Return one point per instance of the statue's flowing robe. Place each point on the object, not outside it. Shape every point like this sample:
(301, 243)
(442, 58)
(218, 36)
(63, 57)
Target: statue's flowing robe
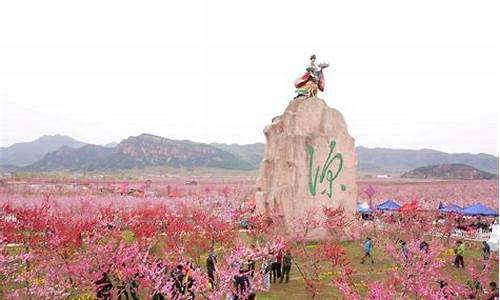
(301, 81)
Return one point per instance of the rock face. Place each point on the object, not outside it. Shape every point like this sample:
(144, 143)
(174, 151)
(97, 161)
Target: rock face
(309, 163)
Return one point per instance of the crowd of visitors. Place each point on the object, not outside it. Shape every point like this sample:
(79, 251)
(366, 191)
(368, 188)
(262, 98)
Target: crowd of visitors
(275, 268)
(476, 290)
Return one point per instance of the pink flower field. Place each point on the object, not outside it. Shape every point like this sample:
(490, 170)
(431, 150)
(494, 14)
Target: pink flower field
(97, 239)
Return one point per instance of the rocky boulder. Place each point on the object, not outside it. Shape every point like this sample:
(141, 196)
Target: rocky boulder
(309, 163)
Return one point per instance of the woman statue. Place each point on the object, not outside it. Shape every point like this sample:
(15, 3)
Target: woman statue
(308, 85)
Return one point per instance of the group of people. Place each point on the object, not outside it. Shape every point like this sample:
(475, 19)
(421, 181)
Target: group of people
(459, 251)
(178, 281)
(466, 224)
(405, 250)
(277, 267)
(274, 268)
(477, 291)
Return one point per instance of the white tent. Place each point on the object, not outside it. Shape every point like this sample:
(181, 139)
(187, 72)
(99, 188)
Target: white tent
(363, 207)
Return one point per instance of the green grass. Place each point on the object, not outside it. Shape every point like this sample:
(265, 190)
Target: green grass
(295, 289)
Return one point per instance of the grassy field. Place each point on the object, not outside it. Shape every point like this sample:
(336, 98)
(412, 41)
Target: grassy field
(295, 289)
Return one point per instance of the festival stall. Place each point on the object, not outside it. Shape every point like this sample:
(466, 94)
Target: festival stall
(450, 208)
(479, 210)
(388, 205)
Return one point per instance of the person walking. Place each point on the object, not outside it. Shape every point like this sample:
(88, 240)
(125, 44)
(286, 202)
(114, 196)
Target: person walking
(367, 247)
(211, 262)
(241, 285)
(251, 263)
(459, 252)
(405, 250)
(274, 267)
(279, 263)
(266, 273)
(287, 265)
(486, 250)
(424, 247)
(177, 278)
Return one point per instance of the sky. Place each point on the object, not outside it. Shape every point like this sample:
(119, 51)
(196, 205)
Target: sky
(405, 74)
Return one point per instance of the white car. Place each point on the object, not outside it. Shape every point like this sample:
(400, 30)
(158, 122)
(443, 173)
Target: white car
(493, 241)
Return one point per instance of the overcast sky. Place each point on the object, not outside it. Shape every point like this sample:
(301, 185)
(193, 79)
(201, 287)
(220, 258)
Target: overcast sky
(405, 74)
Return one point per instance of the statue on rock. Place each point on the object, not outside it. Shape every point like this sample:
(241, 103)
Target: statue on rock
(308, 84)
(309, 163)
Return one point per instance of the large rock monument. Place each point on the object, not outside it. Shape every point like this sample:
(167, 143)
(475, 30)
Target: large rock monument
(309, 163)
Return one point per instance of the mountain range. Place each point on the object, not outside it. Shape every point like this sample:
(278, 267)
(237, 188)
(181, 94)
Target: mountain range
(62, 153)
(140, 151)
(387, 160)
(23, 154)
(449, 171)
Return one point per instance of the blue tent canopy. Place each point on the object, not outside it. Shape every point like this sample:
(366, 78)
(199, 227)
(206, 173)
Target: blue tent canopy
(388, 205)
(451, 208)
(479, 209)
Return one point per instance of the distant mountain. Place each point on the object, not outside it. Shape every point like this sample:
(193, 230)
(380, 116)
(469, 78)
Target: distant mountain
(386, 160)
(140, 151)
(449, 171)
(88, 157)
(23, 154)
(64, 153)
(8, 168)
(251, 153)
(111, 145)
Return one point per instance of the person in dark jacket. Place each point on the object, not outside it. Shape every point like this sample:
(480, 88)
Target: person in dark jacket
(211, 262)
(486, 250)
(178, 287)
(424, 247)
(287, 265)
(251, 264)
(242, 285)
